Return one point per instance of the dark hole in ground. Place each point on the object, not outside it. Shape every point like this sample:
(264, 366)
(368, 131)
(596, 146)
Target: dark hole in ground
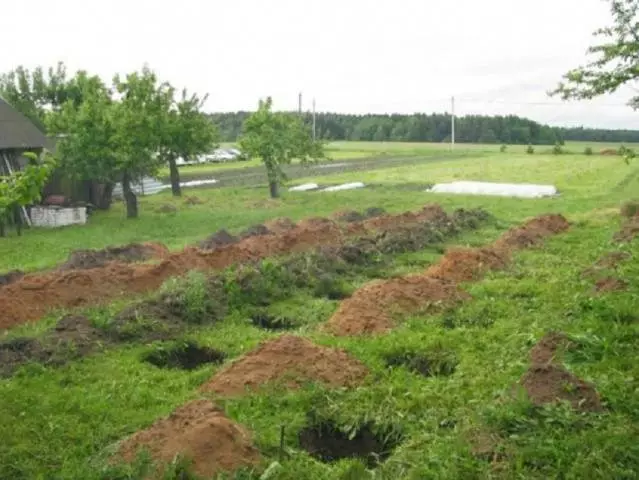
(271, 322)
(187, 356)
(439, 363)
(326, 442)
(10, 277)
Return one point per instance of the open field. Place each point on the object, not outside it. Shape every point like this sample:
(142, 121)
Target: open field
(445, 366)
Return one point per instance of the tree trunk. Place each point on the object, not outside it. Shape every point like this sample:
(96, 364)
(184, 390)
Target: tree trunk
(273, 188)
(175, 178)
(17, 218)
(2, 232)
(103, 196)
(130, 198)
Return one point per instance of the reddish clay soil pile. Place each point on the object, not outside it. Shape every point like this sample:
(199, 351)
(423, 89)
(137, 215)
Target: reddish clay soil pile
(547, 384)
(349, 216)
(369, 310)
(547, 349)
(34, 295)
(289, 359)
(465, 264)
(610, 284)
(199, 431)
(134, 252)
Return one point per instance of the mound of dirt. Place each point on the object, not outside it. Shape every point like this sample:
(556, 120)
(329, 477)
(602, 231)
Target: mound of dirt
(369, 310)
(466, 264)
(547, 384)
(133, 252)
(629, 231)
(280, 225)
(610, 284)
(254, 231)
(532, 232)
(349, 216)
(316, 223)
(218, 239)
(608, 151)
(10, 277)
(612, 259)
(546, 349)
(374, 212)
(290, 359)
(199, 431)
(73, 337)
(36, 294)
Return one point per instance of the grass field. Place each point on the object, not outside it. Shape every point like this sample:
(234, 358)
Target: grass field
(465, 420)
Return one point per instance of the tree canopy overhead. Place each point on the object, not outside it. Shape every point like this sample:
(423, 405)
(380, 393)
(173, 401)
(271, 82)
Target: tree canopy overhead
(615, 58)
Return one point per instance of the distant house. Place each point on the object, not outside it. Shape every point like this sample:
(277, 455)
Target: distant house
(17, 135)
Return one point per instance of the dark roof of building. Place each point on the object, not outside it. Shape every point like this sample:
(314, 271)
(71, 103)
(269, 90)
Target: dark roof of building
(17, 131)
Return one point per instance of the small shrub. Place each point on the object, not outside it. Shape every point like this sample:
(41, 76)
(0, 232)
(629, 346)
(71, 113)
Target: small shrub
(530, 150)
(557, 149)
(503, 148)
(588, 151)
(197, 298)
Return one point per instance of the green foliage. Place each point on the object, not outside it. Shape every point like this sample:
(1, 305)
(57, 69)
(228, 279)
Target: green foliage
(503, 148)
(530, 150)
(616, 58)
(630, 208)
(36, 94)
(24, 187)
(588, 151)
(188, 133)
(277, 138)
(197, 299)
(557, 149)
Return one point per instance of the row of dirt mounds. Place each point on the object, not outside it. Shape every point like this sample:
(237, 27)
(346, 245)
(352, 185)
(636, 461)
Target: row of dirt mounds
(547, 381)
(32, 296)
(369, 310)
(199, 431)
(290, 359)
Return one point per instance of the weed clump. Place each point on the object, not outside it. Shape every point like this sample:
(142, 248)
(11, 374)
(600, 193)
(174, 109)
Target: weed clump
(433, 363)
(270, 322)
(630, 209)
(195, 298)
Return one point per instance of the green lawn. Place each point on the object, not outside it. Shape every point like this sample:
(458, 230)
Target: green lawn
(62, 423)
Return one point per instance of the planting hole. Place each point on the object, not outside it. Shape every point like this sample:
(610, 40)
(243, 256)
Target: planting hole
(434, 364)
(270, 322)
(326, 442)
(187, 356)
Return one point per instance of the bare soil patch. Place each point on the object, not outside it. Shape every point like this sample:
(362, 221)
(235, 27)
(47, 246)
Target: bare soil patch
(199, 431)
(134, 252)
(218, 239)
(462, 265)
(280, 225)
(547, 384)
(629, 230)
(610, 284)
(326, 442)
(289, 359)
(10, 277)
(349, 216)
(549, 347)
(254, 231)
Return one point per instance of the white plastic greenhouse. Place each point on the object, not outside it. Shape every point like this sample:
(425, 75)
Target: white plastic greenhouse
(523, 190)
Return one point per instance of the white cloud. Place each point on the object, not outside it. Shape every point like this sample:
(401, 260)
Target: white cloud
(352, 55)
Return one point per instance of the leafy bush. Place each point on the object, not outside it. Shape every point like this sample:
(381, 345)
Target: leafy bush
(588, 151)
(557, 149)
(530, 150)
(503, 148)
(199, 299)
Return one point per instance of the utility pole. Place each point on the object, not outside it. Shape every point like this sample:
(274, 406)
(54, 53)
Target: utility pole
(299, 104)
(452, 124)
(313, 119)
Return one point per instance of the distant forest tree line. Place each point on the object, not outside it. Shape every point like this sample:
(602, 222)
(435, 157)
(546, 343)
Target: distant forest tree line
(435, 127)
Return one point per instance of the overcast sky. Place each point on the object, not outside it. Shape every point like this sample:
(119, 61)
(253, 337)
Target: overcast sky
(358, 56)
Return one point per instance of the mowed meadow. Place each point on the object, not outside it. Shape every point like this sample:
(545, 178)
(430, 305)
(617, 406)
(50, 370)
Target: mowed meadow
(488, 337)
